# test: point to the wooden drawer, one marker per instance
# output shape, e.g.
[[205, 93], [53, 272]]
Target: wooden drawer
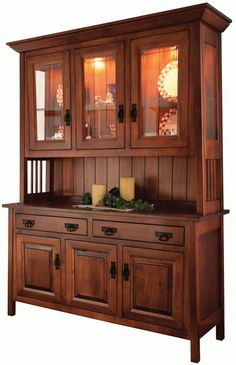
[[139, 232], [51, 224]]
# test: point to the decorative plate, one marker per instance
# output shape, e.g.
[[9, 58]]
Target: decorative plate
[[168, 123], [60, 95], [168, 82]]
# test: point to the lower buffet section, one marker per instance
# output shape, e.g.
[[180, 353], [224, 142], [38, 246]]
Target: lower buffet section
[[170, 283]]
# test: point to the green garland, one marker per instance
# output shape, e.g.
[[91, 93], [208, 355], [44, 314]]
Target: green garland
[[114, 200]]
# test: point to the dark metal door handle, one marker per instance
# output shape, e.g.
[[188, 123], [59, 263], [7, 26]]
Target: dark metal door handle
[[57, 262], [113, 270], [126, 272], [134, 113], [67, 117], [121, 113]]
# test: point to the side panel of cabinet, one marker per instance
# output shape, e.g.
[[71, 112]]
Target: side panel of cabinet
[[48, 101], [37, 270], [100, 114], [91, 281], [153, 286], [159, 91]]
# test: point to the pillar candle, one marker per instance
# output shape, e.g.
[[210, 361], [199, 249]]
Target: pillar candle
[[127, 187], [98, 193]]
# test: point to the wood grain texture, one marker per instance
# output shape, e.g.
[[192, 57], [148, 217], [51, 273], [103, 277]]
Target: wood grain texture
[[113, 172], [179, 178], [89, 173], [164, 178]]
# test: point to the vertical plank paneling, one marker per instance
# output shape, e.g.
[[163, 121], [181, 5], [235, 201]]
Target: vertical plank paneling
[[151, 178], [156, 178], [101, 170], [89, 173], [125, 166], [113, 172], [57, 176], [191, 179], [165, 178], [79, 176], [138, 173], [179, 178], [68, 181]]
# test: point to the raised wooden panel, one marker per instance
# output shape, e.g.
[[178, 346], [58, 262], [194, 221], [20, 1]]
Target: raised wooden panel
[[154, 288], [208, 272], [36, 275], [164, 178], [151, 295], [38, 265], [89, 282]]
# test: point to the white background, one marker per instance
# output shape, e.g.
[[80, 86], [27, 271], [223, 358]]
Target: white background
[[42, 336]]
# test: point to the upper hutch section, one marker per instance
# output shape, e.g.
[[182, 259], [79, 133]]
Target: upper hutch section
[[127, 88]]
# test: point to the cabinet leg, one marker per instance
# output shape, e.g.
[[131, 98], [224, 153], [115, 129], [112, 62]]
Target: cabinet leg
[[11, 307], [195, 350], [220, 331]]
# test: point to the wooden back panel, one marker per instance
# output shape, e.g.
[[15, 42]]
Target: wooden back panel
[[157, 178]]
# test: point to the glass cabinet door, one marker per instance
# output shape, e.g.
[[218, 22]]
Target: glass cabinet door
[[159, 90], [100, 97], [49, 101]]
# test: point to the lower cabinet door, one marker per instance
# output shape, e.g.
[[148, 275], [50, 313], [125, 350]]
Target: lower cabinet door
[[38, 268], [153, 286], [91, 276]]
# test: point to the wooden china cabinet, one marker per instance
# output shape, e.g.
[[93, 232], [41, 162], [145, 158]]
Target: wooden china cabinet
[[142, 98]]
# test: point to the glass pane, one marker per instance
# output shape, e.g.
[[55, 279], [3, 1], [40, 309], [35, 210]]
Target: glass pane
[[49, 102], [210, 91], [159, 91], [100, 97]]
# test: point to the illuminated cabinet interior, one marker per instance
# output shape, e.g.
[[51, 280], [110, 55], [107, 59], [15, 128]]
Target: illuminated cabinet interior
[[134, 104]]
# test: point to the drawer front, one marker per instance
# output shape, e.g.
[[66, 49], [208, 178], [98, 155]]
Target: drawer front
[[51, 224], [139, 232]]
